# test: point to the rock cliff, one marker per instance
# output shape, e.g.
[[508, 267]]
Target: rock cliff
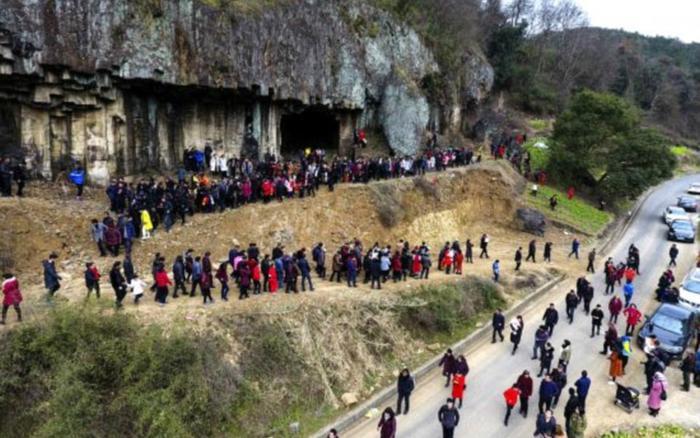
[[125, 85]]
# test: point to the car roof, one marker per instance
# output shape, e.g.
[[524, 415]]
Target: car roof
[[674, 311], [694, 275], [675, 208], [686, 198]]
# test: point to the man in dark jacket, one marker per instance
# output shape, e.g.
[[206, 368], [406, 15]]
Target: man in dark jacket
[[541, 338], [571, 304], [597, 316], [92, 280], [673, 254], [572, 404], [525, 385], [587, 298], [583, 385], [449, 418], [405, 387], [179, 276], [518, 258], [51, 277], [550, 318], [531, 250], [498, 322], [375, 271], [448, 366], [548, 389], [610, 338], [305, 271]]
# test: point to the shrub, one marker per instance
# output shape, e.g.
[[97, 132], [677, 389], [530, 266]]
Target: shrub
[[387, 199]]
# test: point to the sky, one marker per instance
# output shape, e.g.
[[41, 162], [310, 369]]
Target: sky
[[669, 18]]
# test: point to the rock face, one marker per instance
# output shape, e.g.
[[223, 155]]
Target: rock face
[[125, 85], [533, 221]]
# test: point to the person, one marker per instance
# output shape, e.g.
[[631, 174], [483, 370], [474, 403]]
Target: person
[[571, 304], [222, 276], [673, 254], [516, 332], [587, 295], [610, 338], [547, 252], [51, 277], [305, 271], [531, 250], [351, 270], [118, 283], [162, 282], [687, 368], [469, 252], [518, 257], [448, 416], [77, 177], [137, 286], [97, 234], [425, 265], [146, 224], [387, 424], [12, 297], [458, 386], [583, 385], [546, 424], [572, 405], [570, 193], [558, 376], [591, 261], [553, 202], [546, 359], [597, 317], [575, 245], [179, 276], [243, 278], [405, 386], [484, 245], [498, 322], [615, 307], [628, 290], [550, 318], [511, 395], [541, 338], [496, 268], [565, 355], [624, 348], [128, 267], [525, 386], [615, 369], [548, 389], [577, 425], [447, 363], [332, 434], [92, 279], [461, 366], [657, 394], [197, 275]]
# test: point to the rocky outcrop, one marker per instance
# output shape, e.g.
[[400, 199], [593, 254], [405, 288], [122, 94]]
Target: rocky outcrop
[[126, 85]]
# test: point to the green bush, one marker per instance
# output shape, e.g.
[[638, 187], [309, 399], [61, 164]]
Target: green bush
[[83, 374], [444, 308], [666, 431]]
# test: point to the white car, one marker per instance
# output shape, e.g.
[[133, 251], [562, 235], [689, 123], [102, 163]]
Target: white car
[[694, 189], [689, 292], [673, 213]]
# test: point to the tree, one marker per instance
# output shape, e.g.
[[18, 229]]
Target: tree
[[598, 142], [503, 51]]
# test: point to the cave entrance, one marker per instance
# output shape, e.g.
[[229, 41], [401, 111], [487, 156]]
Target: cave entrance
[[9, 129], [315, 128]]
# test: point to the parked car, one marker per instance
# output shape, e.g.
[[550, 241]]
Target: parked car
[[673, 326], [689, 292], [681, 230], [673, 212], [688, 203], [694, 188]]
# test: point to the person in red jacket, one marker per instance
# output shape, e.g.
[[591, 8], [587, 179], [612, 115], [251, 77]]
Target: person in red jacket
[[633, 317], [11, 297], [511, 395], [458, 385], [273, 285], [570, 193], [162, 283], [267, 190], [615, 307], [459, 260], [524, 383]]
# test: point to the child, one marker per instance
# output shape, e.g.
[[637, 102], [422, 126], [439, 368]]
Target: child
[[137, 285]]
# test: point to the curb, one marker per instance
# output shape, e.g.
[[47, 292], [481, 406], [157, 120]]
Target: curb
[[471, 341]]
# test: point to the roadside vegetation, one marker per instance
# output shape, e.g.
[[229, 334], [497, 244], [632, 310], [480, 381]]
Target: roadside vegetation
[[576, 213], [667, 431]]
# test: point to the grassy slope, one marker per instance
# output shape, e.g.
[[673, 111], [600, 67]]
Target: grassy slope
[[667, 431]]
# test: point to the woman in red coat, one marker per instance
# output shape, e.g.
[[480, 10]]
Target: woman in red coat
[[458, 385], [459, 260], [273, 280], [417, 266], [12, 297]]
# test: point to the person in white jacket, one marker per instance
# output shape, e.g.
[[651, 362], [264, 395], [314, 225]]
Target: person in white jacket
[[137, 286]]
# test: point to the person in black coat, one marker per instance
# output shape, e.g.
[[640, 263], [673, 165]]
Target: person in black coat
[[448, 415], [405, 386], [546, 359], [572, 404], [571, 304], [498, 322], [518, 258], [461, 366], [448, 366], [118, 283], [179, 276], [375, 271], [550, 318], [531, 250], [128, 266]]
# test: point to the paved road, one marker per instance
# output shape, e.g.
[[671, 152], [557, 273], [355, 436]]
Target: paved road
[[493, 369]]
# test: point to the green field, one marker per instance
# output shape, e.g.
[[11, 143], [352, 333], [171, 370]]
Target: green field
[[680, 151], [667, 431], [576, 213], [539, 158]]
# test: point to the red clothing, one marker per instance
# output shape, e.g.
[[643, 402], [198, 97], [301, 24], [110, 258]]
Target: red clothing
[[255, 272], [272, 287], [525, 385], [570, 193], [396, 263], [162, 279], [416, 264], [629, 275], [458, 384], [11, 292], [95, 272], [267, 188], [446, 261], [459, 259], [615, 306], [633, 315], [511, 395]]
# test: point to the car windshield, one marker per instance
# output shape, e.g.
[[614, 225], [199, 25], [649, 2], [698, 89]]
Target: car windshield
[[692, 285], [676, 210], [686, 200], [667, 323]]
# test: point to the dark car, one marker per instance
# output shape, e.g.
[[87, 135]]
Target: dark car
[[687, 203], [673, 326], [681, 230]]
